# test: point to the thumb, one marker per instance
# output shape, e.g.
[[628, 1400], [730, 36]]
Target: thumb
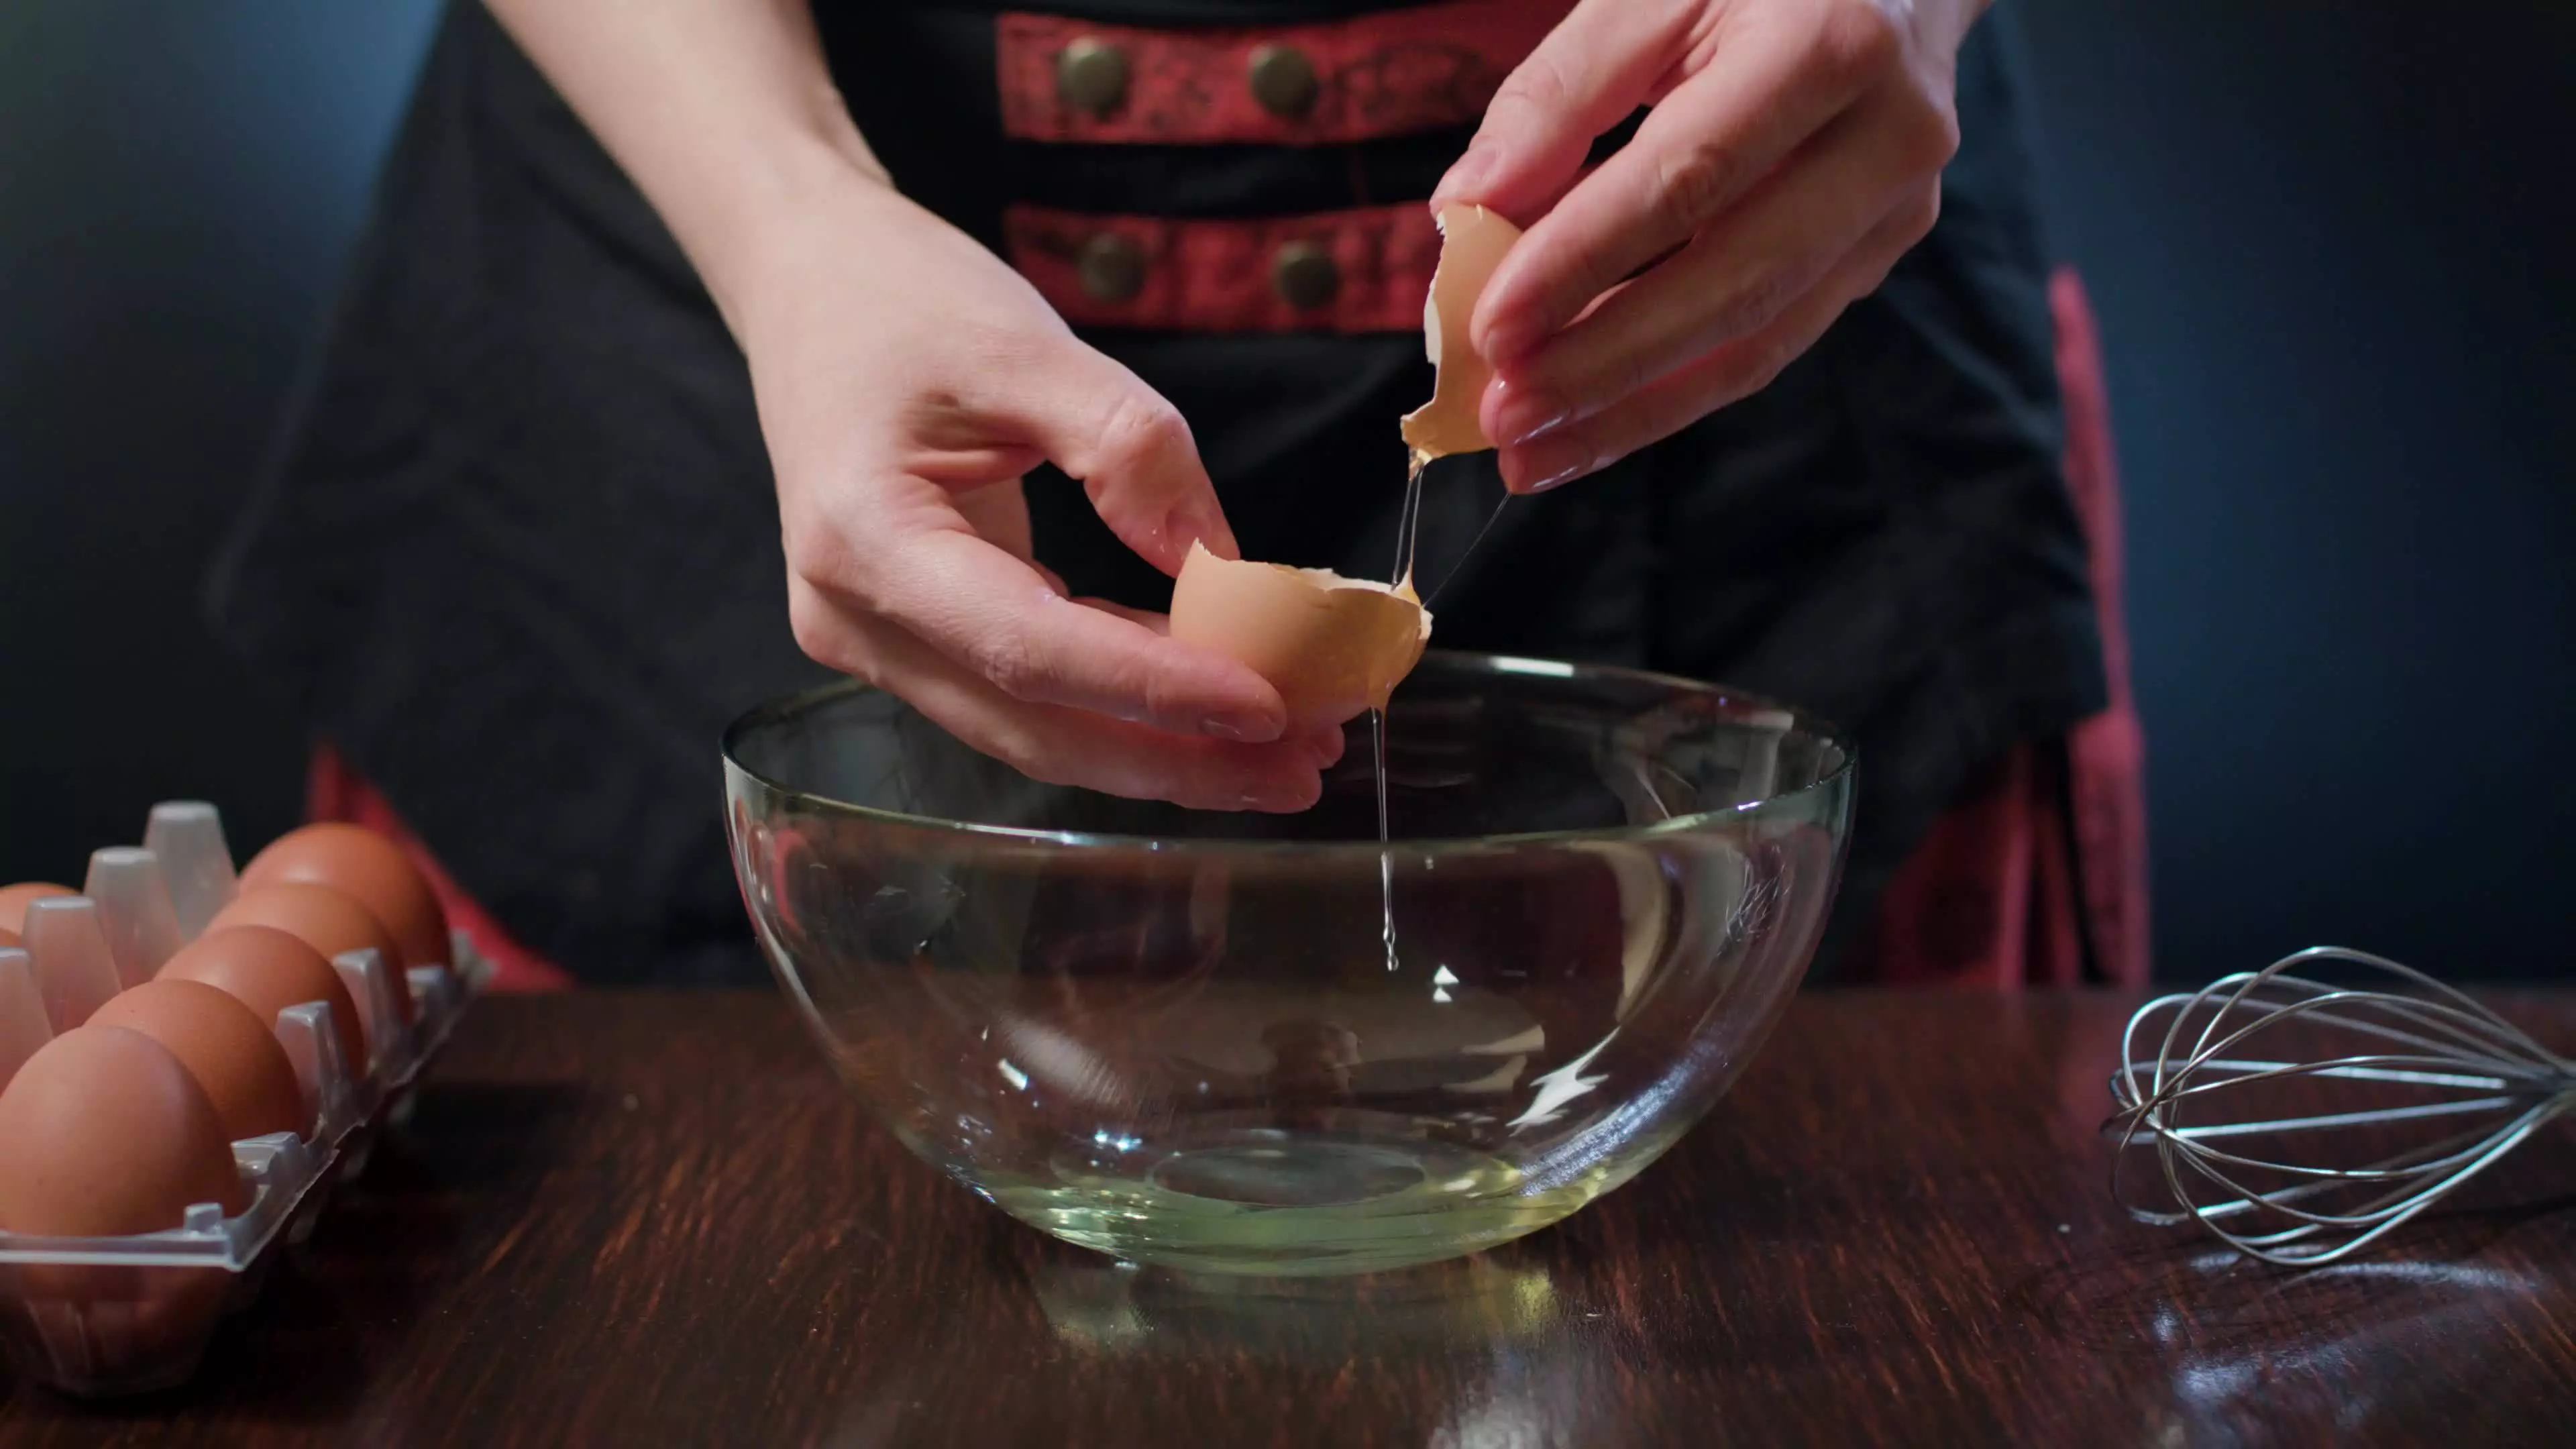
[[1601, 63], [1134, 455]]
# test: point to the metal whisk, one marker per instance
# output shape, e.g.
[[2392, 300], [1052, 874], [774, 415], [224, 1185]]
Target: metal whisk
[[2261, 1182]]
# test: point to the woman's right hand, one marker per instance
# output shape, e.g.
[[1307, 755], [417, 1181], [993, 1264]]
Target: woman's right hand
[[906, 380]]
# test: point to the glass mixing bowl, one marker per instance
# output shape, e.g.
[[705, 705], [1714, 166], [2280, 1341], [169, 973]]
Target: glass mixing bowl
[[1268, 1044]]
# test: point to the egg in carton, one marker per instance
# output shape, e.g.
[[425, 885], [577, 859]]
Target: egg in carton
[[104, 1316]]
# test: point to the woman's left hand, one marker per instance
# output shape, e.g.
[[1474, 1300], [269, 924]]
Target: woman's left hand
[[1792, 155]]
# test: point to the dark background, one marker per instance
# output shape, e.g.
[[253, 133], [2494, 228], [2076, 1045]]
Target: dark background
[[2333, 247]]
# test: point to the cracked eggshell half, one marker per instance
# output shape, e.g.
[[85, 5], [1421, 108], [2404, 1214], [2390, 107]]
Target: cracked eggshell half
[[1473, 242], [1331, 646]]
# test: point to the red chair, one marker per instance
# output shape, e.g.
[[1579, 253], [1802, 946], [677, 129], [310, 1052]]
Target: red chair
[[333, 791], [2011, 883]]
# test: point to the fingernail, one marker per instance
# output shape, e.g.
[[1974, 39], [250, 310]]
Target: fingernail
[[1553, 461], [1243, 729], [1189, 524], [1274, 800], [1324, 745], [1503, 342], [1527, 414], [1469, 172]]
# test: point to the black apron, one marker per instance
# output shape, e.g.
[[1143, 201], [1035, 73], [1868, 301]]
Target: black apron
[[518, 555]]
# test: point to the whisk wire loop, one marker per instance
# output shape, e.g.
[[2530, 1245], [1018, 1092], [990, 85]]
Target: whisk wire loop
[[2426, 1037]]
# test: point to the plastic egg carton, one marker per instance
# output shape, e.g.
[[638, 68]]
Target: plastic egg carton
[[98, 1317]]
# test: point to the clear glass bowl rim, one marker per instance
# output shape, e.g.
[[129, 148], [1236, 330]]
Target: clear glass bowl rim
[[1492, 665]]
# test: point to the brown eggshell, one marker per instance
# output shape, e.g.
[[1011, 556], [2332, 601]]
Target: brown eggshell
[[1473, 242], [15, 899], [268, 971], [105, 1134], [369, 869], [1331, 646], [9, 938], [236, 1059], [330, 921]]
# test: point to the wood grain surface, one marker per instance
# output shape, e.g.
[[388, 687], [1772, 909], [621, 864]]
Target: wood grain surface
[[656, 1219]]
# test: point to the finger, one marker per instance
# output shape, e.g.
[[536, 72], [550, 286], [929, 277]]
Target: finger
[[1130, 449], [1146, 619], [1736, 278], [1062, 746], [993, 615], [1323, 742], [1762, 93], [999, 512], [1596, 67], [1726, 376]]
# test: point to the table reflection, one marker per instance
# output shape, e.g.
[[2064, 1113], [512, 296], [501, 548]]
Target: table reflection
[[1460, 1306], [2244, 1344], [1506, 1354]]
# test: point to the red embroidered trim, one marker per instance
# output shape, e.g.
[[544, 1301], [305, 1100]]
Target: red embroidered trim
[[1383, 75], [1215, 276]]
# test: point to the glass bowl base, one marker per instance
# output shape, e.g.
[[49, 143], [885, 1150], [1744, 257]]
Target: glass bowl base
[[1368, 1193]]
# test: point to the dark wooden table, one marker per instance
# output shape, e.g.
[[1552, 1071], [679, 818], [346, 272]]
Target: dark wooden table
[[656, 1219]]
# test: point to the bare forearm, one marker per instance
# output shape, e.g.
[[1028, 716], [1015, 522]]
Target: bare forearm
[[721, 111]]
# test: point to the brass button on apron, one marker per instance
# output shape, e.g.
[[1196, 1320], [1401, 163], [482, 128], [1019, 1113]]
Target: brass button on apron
[[1091, 76], [1112, 268], [1283, 81], [1306, 276]]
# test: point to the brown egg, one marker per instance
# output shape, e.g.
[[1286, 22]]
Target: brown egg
[[330, 921], [268, 971], [105, 1134], [9, 938], [15, 899], [1331, 646], [223, 1045], [1473, 242], [370, 870]]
